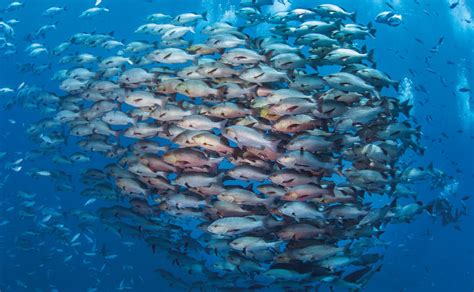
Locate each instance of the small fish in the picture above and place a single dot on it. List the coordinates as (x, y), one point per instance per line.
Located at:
(17, 168)
(46, 139)
(90, 201)
(43, 173)
(75, 237)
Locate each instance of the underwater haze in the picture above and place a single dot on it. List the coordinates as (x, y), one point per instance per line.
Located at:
(216, 145)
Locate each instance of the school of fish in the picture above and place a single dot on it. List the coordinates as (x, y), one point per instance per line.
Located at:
(249, 160)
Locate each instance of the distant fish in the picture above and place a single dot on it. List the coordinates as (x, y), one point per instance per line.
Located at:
(46, 219)
(75, 237)
(6, 90)
(88, 238)
(21, 284)
(92, 12)
(43, 173)
(17, 168)
(90, 201)
(46, 139)
(390, 5)
(390, 18)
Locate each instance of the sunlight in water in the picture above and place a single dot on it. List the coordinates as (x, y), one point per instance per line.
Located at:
(209, 6)
(462, 14)
(406, 91)
(450, 189)
(219, 12)
(280, 5)
(228, 14)
(464, 99)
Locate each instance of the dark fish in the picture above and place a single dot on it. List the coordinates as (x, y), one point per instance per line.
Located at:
(390, 5)
(454, 5)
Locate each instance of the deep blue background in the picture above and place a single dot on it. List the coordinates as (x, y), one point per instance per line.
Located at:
(422, 256)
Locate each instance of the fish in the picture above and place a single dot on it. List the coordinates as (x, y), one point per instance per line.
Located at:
(75, 237)
(454, 5)
(53, 11)
(90, 201)
(255, 140)
(91, 12)
(235, 225)
(389, 18)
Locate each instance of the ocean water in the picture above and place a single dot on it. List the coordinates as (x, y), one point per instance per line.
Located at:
(430, 52)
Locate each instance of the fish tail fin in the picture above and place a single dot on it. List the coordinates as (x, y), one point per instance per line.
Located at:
(346, 247)
(222, 125)
(430, 168)
(353, 16)
(376, 93)
(338, 143)
(339, 171)
(393, 203)
(117, 137)
(274, 145)
(396, 85)
(429, 208)
(253, 90)
(394, 182)
(268, 203)
(204, 16)
(220, 178)
(195, 59)
(372, 30)
(406, 107)
(418, 133)
(135, 120)
(221, 92)
(370, 56)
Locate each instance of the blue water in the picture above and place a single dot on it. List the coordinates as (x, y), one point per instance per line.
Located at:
(422, 256)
